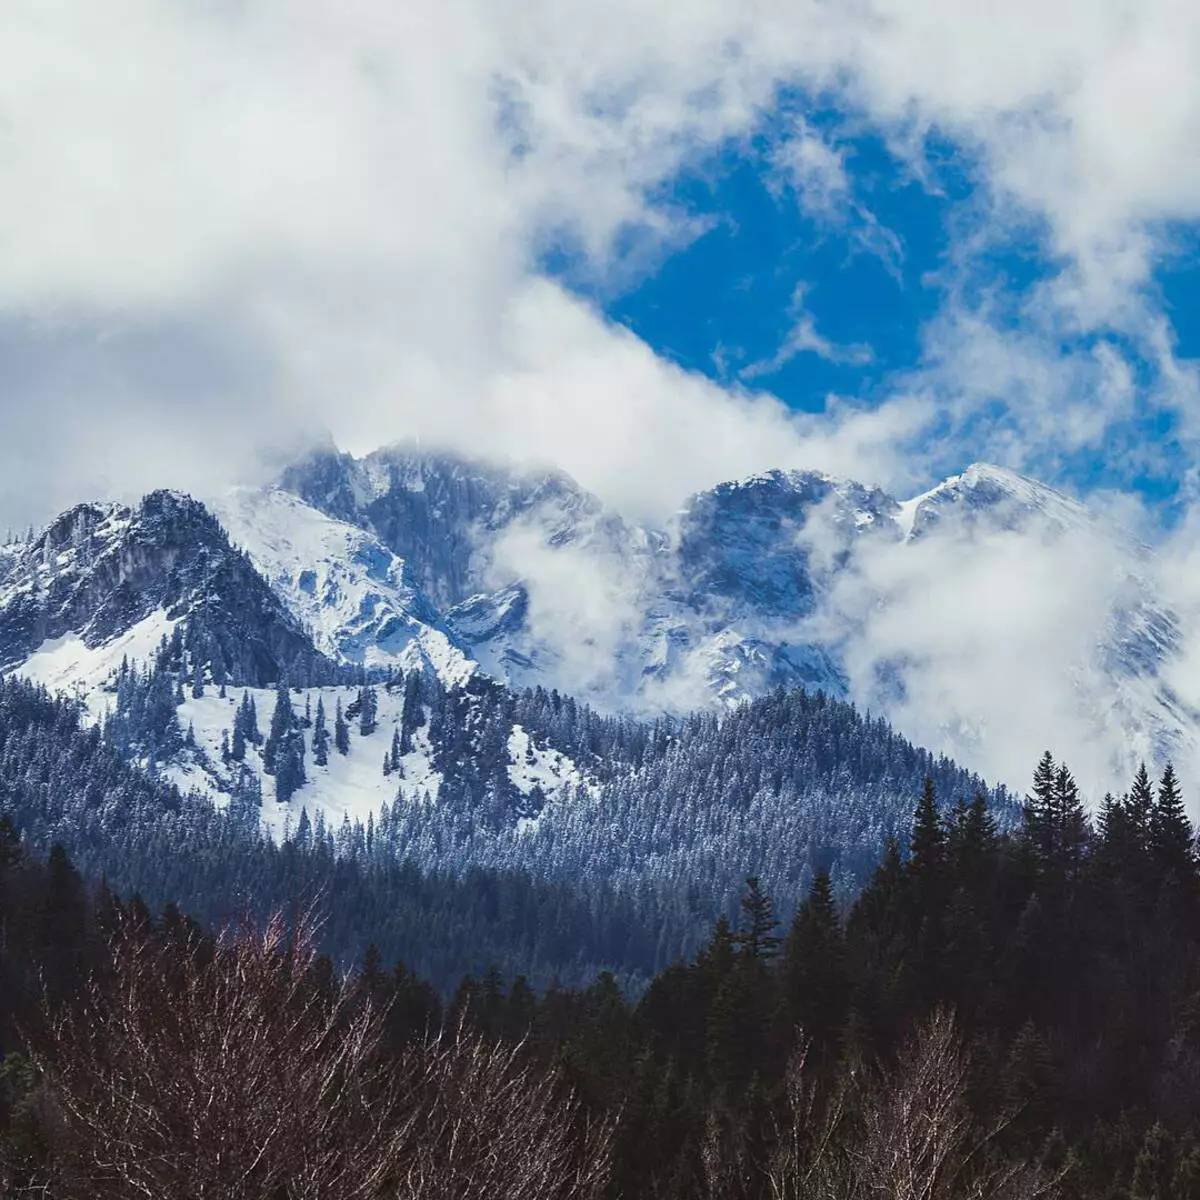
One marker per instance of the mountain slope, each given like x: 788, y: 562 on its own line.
x: 790, y: 578
x: 354, y: 596
x: 99, y: 572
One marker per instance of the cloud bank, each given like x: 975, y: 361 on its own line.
x: 228, y: 221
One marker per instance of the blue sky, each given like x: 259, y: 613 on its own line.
x: 657, y: 244
x: 725, y: 303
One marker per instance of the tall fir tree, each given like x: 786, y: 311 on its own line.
x: 320, y: 736
x: 814, y: 976
x: 757, y: 938
x: 1172, y: 838
x: 1039, y: 805
x: 927, y: 857
x: 283, y: 721
x: 1139, y: 811
x: 341, y: 730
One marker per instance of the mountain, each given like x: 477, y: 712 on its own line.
x: 791, y: 578
x: 106, y: 581
x: 412, y: 560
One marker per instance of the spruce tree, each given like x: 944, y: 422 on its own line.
x: 1039, y: 805
x: 927, y: 859
x: 237, y: 747
x: 368, y: 703
x: 814, y: 968
x: 341, y: 731
x: 1172, y: 839
x: 1139, y: 810
x: 1069, y: 824
x: 757, y: 939
x: 283, y: 721
x: 320, y: 736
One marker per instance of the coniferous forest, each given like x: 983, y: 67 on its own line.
x: 999, y: 1013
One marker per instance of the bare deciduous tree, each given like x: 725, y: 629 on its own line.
x: 902, y: 1134
x: 198, y: 1072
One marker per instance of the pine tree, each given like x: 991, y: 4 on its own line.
x: 237, y: 748
x: 1069, y: 824
x: 971, y: 842
x: 341, y: 731
x: 757, y: 939
x: 367, y: 708
x: 814, y: 974
x: 1172, y: 839
x: 320, y: 736
x: 1039, y: 806
x: 283, y: 721
x: 927, y: 859
x: 1139, y: 810
x: 197, y: 679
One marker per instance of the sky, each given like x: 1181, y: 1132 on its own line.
x: 657, y: 243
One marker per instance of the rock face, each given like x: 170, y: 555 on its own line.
x: 421, y: 560
x: 98, y: 570
x: 742, y: 591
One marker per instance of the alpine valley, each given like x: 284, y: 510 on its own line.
x: 477, y: 717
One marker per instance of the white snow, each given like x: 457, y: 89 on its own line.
x: 341, y: 583
x: 351, y: 785
x: 534, y: 766
x: 67, y: 664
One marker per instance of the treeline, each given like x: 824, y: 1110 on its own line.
x: 1001, y: 1013
x: 628, y: 870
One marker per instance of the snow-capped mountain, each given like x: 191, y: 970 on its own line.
x: 101, y: 574
x: 353, y: 596
x: 412, y: 560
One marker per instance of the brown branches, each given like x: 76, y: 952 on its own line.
x: 200, y: 1072
x: 902, y: 1134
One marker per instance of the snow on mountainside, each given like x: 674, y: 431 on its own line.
x: 100, y: 570
x: 350, y: 592
x: 938, y: 611
x: 747, y: 590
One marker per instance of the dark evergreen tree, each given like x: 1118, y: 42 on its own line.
x: 1172, y: 839
x: 283, y: 722
x: 320, y: 736
x: 757, y: 937
x: 927, y: 857
x: 341, y: 730
x: 237, y: 747
x: 1139, y: 811
x: 814, y: 977
x: 368, y: 707
x: 1039, y: 806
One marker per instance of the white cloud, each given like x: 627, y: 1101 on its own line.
x: 358, y: 191
x: 989, y: 644
x: 228, y: 222
x: 805, y: 338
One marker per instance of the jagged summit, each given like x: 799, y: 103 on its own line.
x: 413, y: 558
x: 993, y: 498
x: 98, y: 571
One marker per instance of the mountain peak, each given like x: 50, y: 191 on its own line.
x: 994, y: 497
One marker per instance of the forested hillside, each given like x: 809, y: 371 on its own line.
x: 999, y: 1014
x: 636, y: 838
